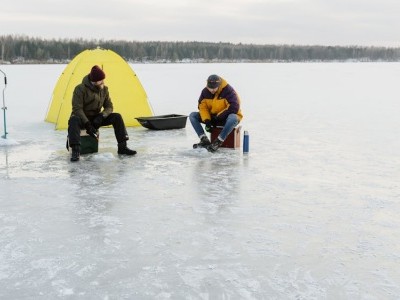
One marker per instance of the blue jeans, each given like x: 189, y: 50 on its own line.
x: 230, y: 124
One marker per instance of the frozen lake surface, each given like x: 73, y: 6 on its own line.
x: 311, y: 213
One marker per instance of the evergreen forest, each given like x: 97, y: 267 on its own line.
x: 24, y: 50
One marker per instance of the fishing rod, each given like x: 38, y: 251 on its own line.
x: 4, y: 108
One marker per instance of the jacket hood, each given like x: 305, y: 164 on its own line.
x: 86, y: 81
x: 223, y: 84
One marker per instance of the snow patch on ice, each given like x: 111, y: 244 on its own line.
x: 8, y: 142
x: 100, y: 157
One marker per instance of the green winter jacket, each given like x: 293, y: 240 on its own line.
x: 88, y: 100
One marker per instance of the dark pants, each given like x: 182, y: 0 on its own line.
x: 75, y: 125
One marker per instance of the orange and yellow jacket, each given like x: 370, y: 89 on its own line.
x: 217, y: 107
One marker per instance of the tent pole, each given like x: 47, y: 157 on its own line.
x: 4, y: 108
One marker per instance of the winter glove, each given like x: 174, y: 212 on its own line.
x: 214, y: 120
x: 208, y: 126
x: 90, y: 130
x: 97, y: 121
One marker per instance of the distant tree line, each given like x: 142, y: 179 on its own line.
x: 22, y: 49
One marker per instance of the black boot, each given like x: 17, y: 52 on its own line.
x: 76, y: 152
x: 215, y: 145
x: 204, y: 142
x: 123, y: 149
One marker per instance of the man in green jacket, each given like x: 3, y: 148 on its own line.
x: 92, y: 108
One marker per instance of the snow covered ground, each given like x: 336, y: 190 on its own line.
x: 311, y: 213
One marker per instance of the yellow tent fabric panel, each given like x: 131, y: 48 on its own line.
x: 126, y: 91
x: 59, y: 92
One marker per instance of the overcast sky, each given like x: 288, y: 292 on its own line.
x: 303, y: 22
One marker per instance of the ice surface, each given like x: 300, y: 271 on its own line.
x: 310, y: 213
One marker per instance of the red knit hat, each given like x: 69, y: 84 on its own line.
x: 96, y: 74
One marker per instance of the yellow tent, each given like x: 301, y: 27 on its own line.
x: 126, y: 91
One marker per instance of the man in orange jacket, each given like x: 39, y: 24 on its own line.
x: 219, y: 105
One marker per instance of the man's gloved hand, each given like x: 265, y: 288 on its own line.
x: 97, y: 121
x: 208, y: 126
x: 214, y: 120
x: 90, y: 130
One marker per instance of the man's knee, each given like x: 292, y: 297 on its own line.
x: 234, y: 118
x: 117, y: 115
x: 194, y: 116
x: 115, y: 118
x: 74, y: 119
